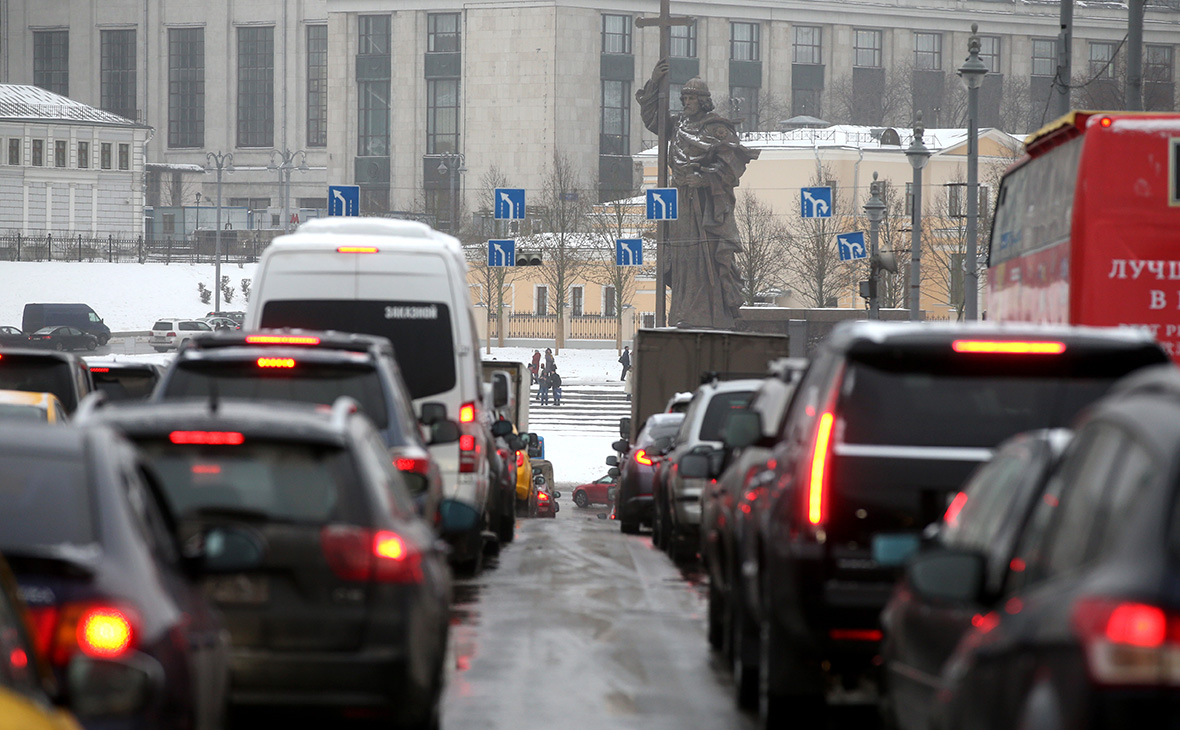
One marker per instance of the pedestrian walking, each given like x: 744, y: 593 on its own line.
x: 555, y: 383
x: 549, y: 359
x: 625, y: 361
x: 535, y: 367
x: 543, y: 387
x: 627, y: 385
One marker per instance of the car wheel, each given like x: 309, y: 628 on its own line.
x: 91, y: 345
x: 781, y: 701
x: 104, y: 340
x: 507, y: 525
x: 742, y: 647
x: 581, y: 500
x: 716, y: 611
x: 629, y: 527
x: 59, y: 347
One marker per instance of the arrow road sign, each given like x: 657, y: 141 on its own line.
x: 344, y: 200
x: 661, y: 204
x: 510, y: 204
x: 502, y: 252
x: 816, y: 202
x: 851, y: 245
x: 629, y: 252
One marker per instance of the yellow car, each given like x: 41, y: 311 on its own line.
x: 31, y: 406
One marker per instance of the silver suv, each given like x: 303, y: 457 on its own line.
x: 167, y: 334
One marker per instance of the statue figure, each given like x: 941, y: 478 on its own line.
x: 706, y: 160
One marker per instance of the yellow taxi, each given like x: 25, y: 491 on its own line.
x: 31, y: 406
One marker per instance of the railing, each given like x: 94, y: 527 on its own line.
x: 544, y: 327
x: 16, y: 246
x: 592, y: 327
x: 532, y: 326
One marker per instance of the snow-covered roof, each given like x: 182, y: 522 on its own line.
x: 18, y: 101
x: 849, y: 136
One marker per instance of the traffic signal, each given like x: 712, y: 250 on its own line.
x: 528, y: 259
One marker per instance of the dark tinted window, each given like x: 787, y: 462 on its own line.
x: 717, y: 414
x: 306, y: 382
x: 163, y: 324
x: 420, y: 332
x: 283, y: 482
x: 125, y: 384
x: 40, y: 375
x: 44, y: 500
x: 1081, y: 502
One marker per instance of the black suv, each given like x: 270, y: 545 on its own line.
x: 317, y: 367
x: 65, y: 375
x: 887, y: 423
x: 348, y: 605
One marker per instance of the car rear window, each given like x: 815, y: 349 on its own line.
x: 658, y: 429
x: 124, y: 384
x: 24, y: 413
x: 163, y: 324
x: 420, y: 332
x: 306, y: 381
x: 44, y: 500
x: 717, y: 413
x: 38, y: 375
x: 285, y: 482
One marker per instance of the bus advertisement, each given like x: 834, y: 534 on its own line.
x: 1087, y: 226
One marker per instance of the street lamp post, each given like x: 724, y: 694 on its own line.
x: 972, y: 72
x: 875, y: 210
x: 453, y: 171
x: 285, y: 166
x: 918, y: 155
x: 223, y: 162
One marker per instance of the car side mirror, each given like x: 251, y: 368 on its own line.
x: 539, y: 481
x: 621, y: 445
x: 432, y: 413
x: 695, y: 466
x: 500, y: 384
x: 613, y: 471
x: 444, y: 432
x: 102, y: 689
x: 557, y: 495
x: 502, y: 428
x: 743, y: 428
x: 624, y: 428
x: 948, y: 575
x: 612, y: 460
x: 518, y: 443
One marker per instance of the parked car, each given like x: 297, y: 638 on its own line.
x: 169, y: 334
x: 348, y: 606
x: 93, y: 546
x: 677, y: 499
x: 678, y: 403
x: 986, y: 516
x: 64, y: 374
x: 125, y: 379
x: 79, y: 316
x: 237, y: 317
x: 595, y: 492
x: 29, y: 406
x: 886, y: 425
x: 61, y: 338
x: 221, y: 323
x: 637, y: 469
x: 1083, y: 631
x: 547, y: 496
x: 13, y: 337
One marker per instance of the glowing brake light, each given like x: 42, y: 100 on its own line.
x: 1010, y: 347
x: 276, y: 362
x: 412, y: 465
x: 819, y: 463
x: 467, y: 442
x: 100, y: 370
x: 357, y: 249
x: 467, y: 413
x: 104, y: 633
x: 206, y: 469
x: 389, y: 545
x: 1105, y: 121
x: 951, y: 517
x: 207, y: 438
x: 641, y: 457
x: 1128, y: 643
x: 281, y: 340
x: 519, y: 459
x: 542, y: 497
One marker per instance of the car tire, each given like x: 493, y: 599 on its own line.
x: 782, y: 702
x: 507, y: 527
x: 741, y: 645
x: 581, y: 500
x: 629, y: 527
x: 59, y: 347
x: 91, y: 345
x: 104, y: 340
x: 715, y: 613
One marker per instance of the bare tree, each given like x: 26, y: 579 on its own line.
x: 493, y: 280
x: 893, y: 108
x: 761, y: 261
x: 771, y: 109
x: 609, y: 222
x: 813, y: 264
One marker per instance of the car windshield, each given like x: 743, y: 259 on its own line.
x: 280, y: 481
x: 303, y: 381
x: 420, y: 332
x: 39, y: 375
x: 44, y: 500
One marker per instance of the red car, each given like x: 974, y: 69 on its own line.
x: 595, y: 492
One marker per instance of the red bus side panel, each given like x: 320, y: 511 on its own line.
x: 1032, y: 288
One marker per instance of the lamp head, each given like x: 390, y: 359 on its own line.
x: 917, y: 153
x: 875, y: 207
x: 973, y: 70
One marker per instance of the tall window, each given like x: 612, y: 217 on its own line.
x: 608, y: 301
x: 1044, y: 57
x: 807, y: 44
x: 684, y: 41
x: 1157, y: 63
x: 541, y: 307
x: 442, y: 116
x: 61, y: 154
x: 989, y: 52
x: 743, y: 42
x: 373, y: 131
x: 577, y: 300
x: 105, y: 155
x: 124, y: 157
x: 442, y: 32
x: 928, y: 51
x: 616, y: 118
x: 14, y: 146
x: 317, y: 86
x: 616, y: 33
x: 117, y: 73
x: 186, y: 87
x: 743, y: 107
x: 1102, y: 60
x: 83, y: 155
x: 866, y: 48
x: 256, y: 86
x: 51, y: 61
x: 38, y: 152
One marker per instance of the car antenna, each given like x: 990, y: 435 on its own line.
x: 214, y: 400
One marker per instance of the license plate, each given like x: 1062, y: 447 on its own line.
x: 239, y: 589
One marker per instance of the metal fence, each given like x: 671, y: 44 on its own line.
x: 592, y: 327
x: 245, y: 248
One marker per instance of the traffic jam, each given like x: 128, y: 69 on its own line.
x: 918, y: 525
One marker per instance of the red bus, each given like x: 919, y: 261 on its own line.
x: 1087, y: 226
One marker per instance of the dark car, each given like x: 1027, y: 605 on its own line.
x: 884, y: 428
x: 986, y: 516
x: 595, y: 492
x: 65, y: 375
x: 547, y: 495
x: 13, y: 337
x: 125, y: 379
x: 77, y: 315
x: 637, y: 468
x: 316, y: 367
x: 1083, y: 633
x: 348, y: 607
x: 92, y: 543
x: 63, y: 337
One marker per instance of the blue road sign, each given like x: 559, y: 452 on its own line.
x: 816, y: 202
x: 852, y: 246
x: 344, y: 200
x: 629, y: 251
x: 661, y: 204
x: 502, y: 252
x: 510, y: 204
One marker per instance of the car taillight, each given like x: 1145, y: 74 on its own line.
x: 467, y: 413
x: 542, y: 497
x: 1009, y: 347
x: 819, y: 465
x: 519, y: 459
x: 276, y: 362
x: 100, y: 630
x: 360, y: 554
x: 281, y: 340
x: 468, y: 452
x: 412, y: 465
x: 104, y: 633
x: 641, y: 457
x: 99, y: 370
x: 1129, y: 643
x: 951, y: 516
x: 207, y: 438
x: 357, y: 249
x: 170, y: 334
